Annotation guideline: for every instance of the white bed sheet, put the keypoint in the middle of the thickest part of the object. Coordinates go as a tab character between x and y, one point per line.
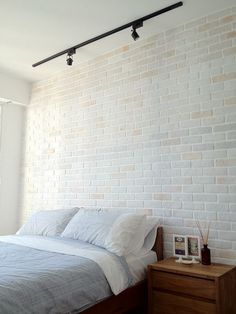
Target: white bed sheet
138	264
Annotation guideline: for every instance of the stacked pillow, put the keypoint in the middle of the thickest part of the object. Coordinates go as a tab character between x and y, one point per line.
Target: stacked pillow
120	234
48	222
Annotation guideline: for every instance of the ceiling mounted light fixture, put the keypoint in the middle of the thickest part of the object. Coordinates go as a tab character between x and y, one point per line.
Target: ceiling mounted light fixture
69	58
134	24
134	34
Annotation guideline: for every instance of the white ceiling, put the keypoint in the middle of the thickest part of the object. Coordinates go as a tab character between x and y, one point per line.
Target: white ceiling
31	30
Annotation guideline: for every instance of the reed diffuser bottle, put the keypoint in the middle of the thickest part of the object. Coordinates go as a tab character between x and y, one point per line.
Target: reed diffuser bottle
205	251
205	255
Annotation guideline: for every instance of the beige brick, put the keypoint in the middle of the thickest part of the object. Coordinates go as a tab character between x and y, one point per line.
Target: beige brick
125	48
101	125
162	196
201	114
137	132
224	77
78	130
228	19
172	188
127	168
221	180
208	26
225	162
50	151
174	141
149	73
192	156
230	101
228	35
88	103
118	175
97	196
170	97
168	54
229	51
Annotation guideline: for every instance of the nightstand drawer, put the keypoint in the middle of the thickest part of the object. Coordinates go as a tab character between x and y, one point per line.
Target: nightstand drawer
182	284
164	303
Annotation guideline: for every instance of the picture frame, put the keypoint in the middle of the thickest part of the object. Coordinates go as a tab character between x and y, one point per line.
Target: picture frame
179	247
193	247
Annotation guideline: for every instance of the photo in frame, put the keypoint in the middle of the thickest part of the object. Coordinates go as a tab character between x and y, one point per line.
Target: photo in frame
193	247
179	247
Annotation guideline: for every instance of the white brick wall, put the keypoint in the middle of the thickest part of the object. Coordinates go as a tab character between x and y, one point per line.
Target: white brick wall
148	126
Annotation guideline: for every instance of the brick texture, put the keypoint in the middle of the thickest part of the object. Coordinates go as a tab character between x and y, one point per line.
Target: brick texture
149	126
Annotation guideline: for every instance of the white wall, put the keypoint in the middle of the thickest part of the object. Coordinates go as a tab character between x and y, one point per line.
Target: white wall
149	126
14	89
10	159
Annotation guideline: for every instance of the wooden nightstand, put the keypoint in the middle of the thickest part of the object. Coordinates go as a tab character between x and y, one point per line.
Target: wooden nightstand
191	289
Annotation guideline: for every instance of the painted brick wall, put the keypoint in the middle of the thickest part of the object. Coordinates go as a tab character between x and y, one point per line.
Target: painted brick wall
148	126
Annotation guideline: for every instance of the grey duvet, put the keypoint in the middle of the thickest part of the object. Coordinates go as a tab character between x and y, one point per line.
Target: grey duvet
34	281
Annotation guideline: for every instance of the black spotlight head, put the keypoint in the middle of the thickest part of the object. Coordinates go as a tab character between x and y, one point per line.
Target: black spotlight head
134	34
69	60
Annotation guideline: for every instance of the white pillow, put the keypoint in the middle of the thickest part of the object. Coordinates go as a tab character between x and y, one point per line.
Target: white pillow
150	235
118	233
152	222
90	226
47	222
127	234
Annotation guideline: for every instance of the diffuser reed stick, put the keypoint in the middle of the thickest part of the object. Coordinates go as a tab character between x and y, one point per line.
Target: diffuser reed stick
204	235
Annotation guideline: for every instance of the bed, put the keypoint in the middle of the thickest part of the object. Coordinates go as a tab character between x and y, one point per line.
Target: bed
52	274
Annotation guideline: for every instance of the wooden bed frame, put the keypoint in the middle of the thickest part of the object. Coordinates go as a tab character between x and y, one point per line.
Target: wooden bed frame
134	299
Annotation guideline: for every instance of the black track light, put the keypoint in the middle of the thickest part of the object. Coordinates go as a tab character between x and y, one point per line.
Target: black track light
69	58
134	24
134	34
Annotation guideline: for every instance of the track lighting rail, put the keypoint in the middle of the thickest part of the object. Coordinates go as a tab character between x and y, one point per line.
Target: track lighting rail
135	24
